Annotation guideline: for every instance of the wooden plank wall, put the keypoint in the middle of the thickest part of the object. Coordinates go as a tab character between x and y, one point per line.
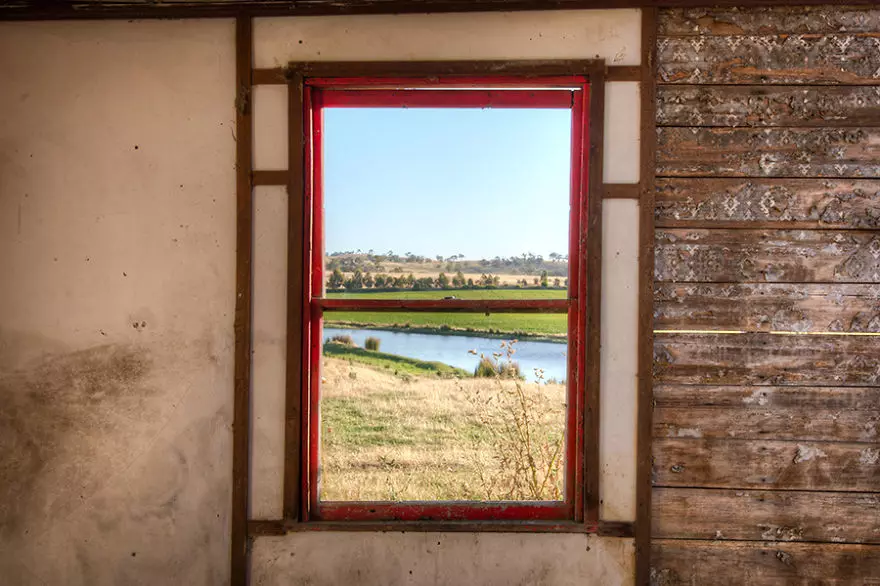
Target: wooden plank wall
766	451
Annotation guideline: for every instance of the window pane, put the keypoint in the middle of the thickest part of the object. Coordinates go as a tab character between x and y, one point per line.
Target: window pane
447	200
435	416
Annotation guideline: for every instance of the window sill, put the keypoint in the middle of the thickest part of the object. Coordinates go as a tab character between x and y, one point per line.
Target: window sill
603	528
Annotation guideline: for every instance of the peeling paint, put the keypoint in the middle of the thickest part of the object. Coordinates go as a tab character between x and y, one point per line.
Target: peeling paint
807	453
869	456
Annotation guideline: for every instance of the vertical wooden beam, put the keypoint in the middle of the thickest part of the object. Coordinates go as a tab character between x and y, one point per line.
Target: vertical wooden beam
647	157
244	238
296	267
244	249
594	295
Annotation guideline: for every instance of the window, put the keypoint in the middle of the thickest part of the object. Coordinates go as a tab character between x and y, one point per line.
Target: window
439	384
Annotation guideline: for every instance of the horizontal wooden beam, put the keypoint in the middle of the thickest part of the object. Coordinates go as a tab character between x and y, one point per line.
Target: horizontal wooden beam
767	397
269	178
677	562
771	515
768	152
765	464
845	106
766	359
760	256
623	73
622	191
755	203
279	75
605	528
77	9
446	305
827	18
767	307
753	422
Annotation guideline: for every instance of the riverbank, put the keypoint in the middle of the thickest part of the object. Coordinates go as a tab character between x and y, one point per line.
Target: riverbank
447	330
394	363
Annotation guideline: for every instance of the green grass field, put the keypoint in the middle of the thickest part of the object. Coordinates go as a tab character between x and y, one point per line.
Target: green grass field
533	325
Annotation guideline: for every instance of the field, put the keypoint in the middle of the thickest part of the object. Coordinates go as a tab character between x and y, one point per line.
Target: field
523	325
423	437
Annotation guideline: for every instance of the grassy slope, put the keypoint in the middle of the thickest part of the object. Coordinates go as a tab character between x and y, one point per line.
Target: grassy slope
387	437
517	325
392	362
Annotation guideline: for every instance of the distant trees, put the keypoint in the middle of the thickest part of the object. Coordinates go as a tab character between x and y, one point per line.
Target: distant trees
355	282
358	279
348	261
336	279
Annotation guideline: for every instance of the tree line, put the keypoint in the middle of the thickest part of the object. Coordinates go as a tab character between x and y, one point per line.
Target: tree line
525	264
359	280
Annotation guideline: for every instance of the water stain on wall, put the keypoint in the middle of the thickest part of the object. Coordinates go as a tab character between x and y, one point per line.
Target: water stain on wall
55	415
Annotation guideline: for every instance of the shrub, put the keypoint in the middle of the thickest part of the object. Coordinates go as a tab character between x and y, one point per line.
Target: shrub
485	368
343	339
490	368
372	343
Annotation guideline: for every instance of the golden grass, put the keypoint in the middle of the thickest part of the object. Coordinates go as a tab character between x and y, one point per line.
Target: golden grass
387	437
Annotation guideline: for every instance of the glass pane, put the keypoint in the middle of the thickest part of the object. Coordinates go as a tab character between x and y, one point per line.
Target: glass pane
447	202
432	415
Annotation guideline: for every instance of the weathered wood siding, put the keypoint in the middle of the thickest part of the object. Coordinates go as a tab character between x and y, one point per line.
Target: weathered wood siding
767	297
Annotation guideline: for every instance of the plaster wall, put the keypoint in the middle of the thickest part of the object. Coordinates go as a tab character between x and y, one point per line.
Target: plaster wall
117	225
452	558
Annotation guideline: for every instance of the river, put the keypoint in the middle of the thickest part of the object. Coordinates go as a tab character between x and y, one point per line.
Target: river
454	350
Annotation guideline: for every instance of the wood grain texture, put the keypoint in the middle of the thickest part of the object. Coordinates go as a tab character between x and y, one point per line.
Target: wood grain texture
768	152
672	396
298	221
724	563
770	20
592	272
770	59
767	307
733	106
767	359
647	174
766	464
243	320
782	256
757	202
807	422
763	515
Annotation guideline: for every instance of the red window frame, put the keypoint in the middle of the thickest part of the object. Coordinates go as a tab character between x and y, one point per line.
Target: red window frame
447	91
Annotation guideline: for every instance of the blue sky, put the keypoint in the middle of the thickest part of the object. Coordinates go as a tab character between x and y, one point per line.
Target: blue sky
481	183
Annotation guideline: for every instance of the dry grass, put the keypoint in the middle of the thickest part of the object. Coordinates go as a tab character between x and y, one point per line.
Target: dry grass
387	437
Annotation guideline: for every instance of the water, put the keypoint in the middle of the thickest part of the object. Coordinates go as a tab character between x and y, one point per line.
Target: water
453	350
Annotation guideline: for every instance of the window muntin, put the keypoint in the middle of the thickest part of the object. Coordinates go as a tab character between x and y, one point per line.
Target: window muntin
321	94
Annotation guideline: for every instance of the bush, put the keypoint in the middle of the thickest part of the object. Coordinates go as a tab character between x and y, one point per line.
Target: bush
372	343
343	339
489	368
486	368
